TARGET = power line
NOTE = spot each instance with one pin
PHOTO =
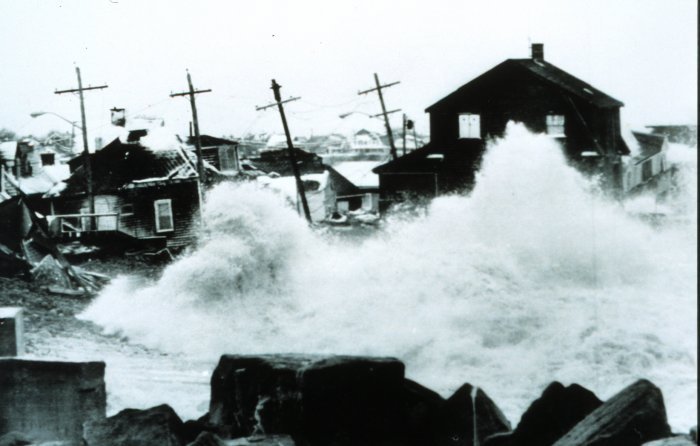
(385, 113)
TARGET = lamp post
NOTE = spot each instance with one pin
(72, 123)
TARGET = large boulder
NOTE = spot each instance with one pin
(157, 426)
(468, 417)
(421, 411)
(632, 417)
(550, 417)
(318, 400)
(50, 400)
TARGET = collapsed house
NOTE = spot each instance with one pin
(146, 193)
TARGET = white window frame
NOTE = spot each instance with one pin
(470, 130)
(556, 125)
(169, 202)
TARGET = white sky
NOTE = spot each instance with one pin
(643, 52)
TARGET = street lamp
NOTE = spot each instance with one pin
(72, 123)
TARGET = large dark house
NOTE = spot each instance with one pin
(533, 91)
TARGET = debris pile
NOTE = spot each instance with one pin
(26, 249)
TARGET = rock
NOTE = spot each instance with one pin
(157, 426)
(550, 417)
(191, 429)
(323, 399)
(14, 439)
(420, 408)
(269, 440)
(50, 400)
(680, 440)
(632, 417)
(468, 417)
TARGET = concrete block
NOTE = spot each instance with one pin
(50, 401)
(11, 331)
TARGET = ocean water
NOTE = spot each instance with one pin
(532, 277)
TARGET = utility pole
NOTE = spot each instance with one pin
(197, 143)
(404, 135)
(378, 89)
(86, 153)
(290, 146)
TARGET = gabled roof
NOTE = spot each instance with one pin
(542, 70)
(649, 145)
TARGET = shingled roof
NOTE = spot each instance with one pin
(545, 71)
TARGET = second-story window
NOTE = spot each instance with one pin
(555, 125)
(469, 125)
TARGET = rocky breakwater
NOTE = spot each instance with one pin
(307, 400)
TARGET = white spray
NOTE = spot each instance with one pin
(531, 278)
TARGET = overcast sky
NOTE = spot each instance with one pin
(642, 52)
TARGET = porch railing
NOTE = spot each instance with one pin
(73, 225)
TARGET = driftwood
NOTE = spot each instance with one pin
(632, 417)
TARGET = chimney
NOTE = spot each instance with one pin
(538, 52)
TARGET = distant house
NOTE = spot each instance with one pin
(368, 144)
(360, 174)
(545, 98)
(219, 152)
(32, 168)
(276, 163)
(143, 192)
(649, 166)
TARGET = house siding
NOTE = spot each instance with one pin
(141, 223)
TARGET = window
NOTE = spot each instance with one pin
(469, 125)
(47, 159)
(164, 215)
(555, 125)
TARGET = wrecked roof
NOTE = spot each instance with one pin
(119, 165)
(545, 71)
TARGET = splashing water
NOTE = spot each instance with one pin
(532, 277)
